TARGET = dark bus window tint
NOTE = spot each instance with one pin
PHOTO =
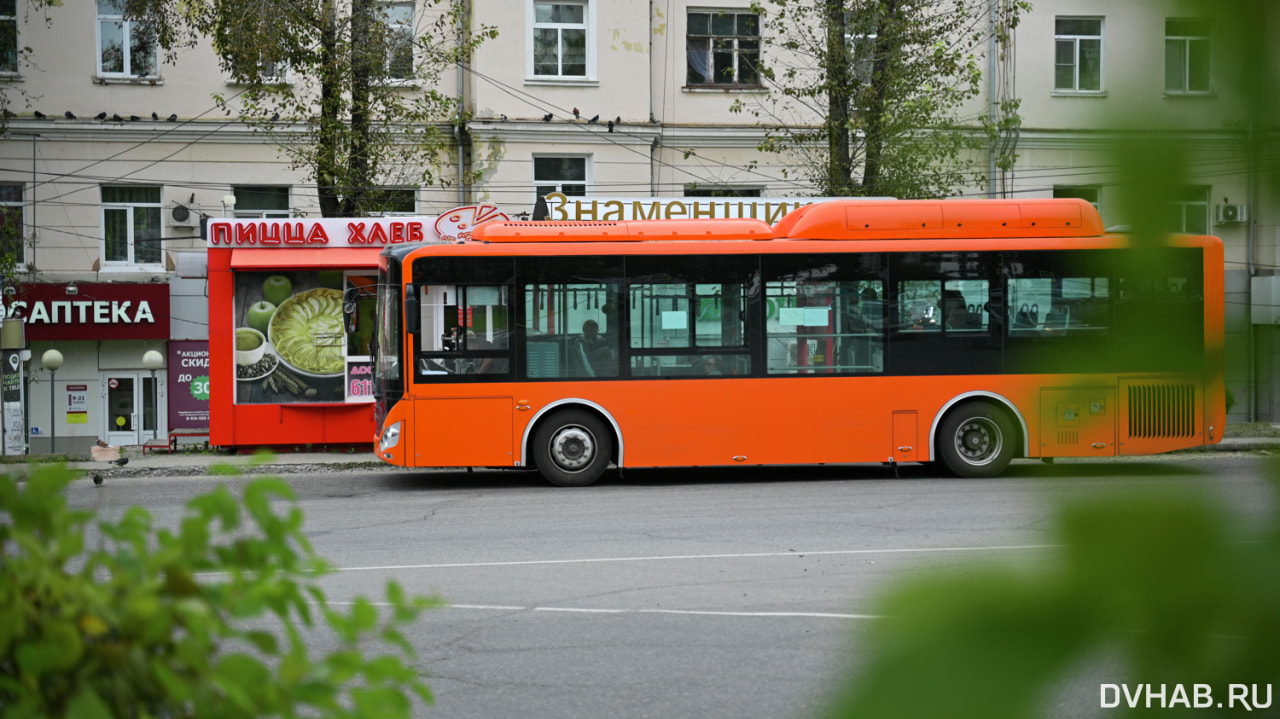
(1060, 307)
(945, 313)
(824, 314)
(688, 315)
(1159, 310)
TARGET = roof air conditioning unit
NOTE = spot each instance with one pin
(1227, 214)
(183, 216)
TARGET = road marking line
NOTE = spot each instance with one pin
(657, 558)
(685, 612)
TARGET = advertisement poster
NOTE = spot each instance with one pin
(77, 404)
(188, 369)
(15, 430)
(291, 345)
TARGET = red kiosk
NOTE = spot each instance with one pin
(283, 370)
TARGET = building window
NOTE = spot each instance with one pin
(560, 39)
(1089, 193)
(723, 48)
(1077, 54)
(1186, 56)
(9, 36)
(567, 175)
(124, 49)
(11, 227)
(1190, 212)
(270, 72)
(261, 202)
(390, 201)
(397, 39)
(700, 191)
(131, 225)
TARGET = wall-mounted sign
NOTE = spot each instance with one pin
(97, 311)
(452, 226)
(78, 403)
(188, 369)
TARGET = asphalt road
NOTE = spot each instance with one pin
(740, 593)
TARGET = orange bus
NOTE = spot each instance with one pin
(964, 332)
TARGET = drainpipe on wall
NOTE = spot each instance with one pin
(991, 98)
(1253, 271)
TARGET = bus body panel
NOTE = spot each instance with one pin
(819, 419)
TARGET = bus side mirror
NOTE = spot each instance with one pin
(350, 318)
(411, 309)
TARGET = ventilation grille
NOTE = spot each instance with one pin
(1162, 410)
(1066, 439)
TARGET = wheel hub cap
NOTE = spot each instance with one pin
(573, 448)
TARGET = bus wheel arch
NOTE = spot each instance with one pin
(978, 436)
(572, 445)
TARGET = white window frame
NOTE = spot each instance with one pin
(1187, 42)
(737, 51)
(260, 214)
(265, 69)
(560, 184)
(1200, 206)
(131, 263)
(588, 25)
(17, 44)
(20, 259)
(408, 28)
(127, 28)
(1075, 40)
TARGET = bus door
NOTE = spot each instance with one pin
(458, 427)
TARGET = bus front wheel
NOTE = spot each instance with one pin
(976, 440)
(572, 448)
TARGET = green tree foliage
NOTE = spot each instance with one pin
(1165, 581)
(206, 620)
(347, 89)
(888, 79)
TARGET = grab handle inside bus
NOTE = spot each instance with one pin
(411, 309)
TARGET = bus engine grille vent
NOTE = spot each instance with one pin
(1068, 438)
(1162, 410)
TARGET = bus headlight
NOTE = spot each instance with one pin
(390, 437)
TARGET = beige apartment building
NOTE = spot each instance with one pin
(111, 157)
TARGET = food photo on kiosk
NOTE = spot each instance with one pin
(291, 322)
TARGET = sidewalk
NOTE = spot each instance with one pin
(1240, 438)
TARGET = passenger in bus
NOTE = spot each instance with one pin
(597, 349)
(710, 366)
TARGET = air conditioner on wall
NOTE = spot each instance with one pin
(184, 216)
(1227, 214)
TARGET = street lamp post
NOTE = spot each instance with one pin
(153, 361)
(52, 360)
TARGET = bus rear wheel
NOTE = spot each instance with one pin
(572, 448)
(976, 440)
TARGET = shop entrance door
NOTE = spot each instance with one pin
(132, 407)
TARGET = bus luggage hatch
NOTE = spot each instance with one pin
(1077, 422)
(464, 432)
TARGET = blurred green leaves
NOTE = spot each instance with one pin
(1165, 581)
(210, 620)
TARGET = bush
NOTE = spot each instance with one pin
(205, 621)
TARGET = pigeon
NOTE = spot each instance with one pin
(575, 113)
(116, 118)
(610, 126)
(39, 115)
(155, 116)
(594, 119)
(100, 116)
(119, 462)
(504, 118)
(275, 116)
(547, 117)
(97, 480)
(617, 120)
(101, 443)
(173, 117)
(69, 115)
(134, 118)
